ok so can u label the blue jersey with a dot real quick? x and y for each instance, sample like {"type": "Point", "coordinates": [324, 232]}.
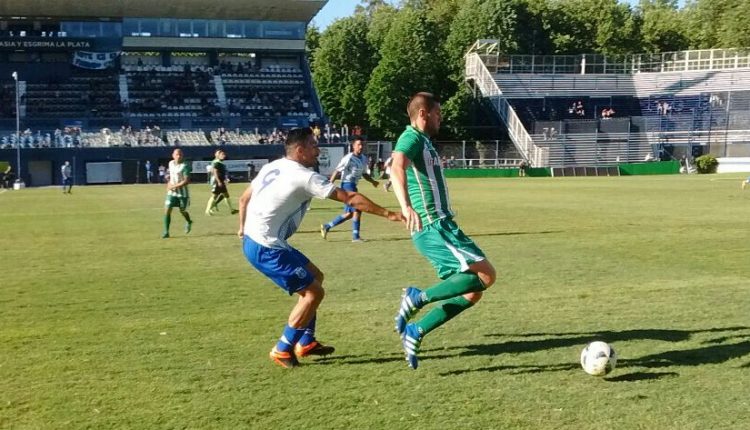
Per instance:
{"type": "Point", "coordinates": [352, 167]}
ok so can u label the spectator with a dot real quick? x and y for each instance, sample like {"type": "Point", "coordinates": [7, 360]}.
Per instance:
{"type": "Point", "coordinates": [162, 172]}
{"type": "Point", "coordinates": [149, 173]}
{"type": "Point", "coordinates": [7, 178]}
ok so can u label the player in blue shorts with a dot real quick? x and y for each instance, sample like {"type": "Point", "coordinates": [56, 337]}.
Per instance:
{"type": "Point", "coordinates": [271, 210]}
{"type": "Point", "coordinates": [351, 168]}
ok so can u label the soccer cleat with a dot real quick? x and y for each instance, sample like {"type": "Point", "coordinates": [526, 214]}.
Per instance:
{"type": "Point", "coordinates": [410, 340]}
{"type": "Point", "coordinates": [286, 360]}
{"type": "Point", "coordinates": [313, 348]}
{"type": "Point", "coordinates": [359, 240]}
{"type": "Point", "coordinates": [323, 231]}
{"type": "Point", "coordinates": [411, 301]}
{"type": "Point", "coordinates": [209, 212]}
{"type": "Point", "coordinates": [188, 227]}
{"type": "Point", "coordinates": [165, 235]}
{"type": "Point", "coordinates": [235, 211]}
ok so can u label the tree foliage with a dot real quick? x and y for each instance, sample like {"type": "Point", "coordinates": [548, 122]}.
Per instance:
{"type": "Point", "coordinates": [366, 66]}
{"type": "Point", "coordinates": [404, 68]}
{"type": "Point", "coordinates": [343, 64]}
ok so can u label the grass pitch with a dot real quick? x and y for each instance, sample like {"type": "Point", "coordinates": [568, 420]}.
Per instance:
{"type": "Point", "coordinates": [105, 325]}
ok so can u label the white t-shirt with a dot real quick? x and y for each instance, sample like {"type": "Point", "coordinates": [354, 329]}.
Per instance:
{"type": "Point", "coordinates": [281, 194]}
{"type": "Point", "coordinates": [352, 167]}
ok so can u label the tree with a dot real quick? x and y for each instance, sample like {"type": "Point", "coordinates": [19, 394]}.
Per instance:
{"type": "Point", "coordinates": [411, 60]}
{"type": "Point", "coordinates": [312, 43]}
{"type": "Point", "coordinates": [662, 26]}
{"type": "Point", "coordinates": [343, 65]}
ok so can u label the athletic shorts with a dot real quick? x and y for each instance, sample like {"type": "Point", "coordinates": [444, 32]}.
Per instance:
{"type": "Point", "coordinates": [349, 186]}
{"type": "Point", "coordinates": [177, 202]}
{"type": "Point", "coordinates": [447, 248]}
{"type": "Point", "coordinates": [285, 267]}
{"type": "Point", "coordinates": [216, 189]}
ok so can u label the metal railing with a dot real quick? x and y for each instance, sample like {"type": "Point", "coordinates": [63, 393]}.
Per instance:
{"type": "Point", "coordinates": [477, 72]}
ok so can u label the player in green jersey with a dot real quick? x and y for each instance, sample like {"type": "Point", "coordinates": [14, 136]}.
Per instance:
{"type": "Point", "coordinates": [420, 187]}
{"type": "Point", "coordinates": [219, 189]}
{"type": "Point", "coordinates": [178, 194]}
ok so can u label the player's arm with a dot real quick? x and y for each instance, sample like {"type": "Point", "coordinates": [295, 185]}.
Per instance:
{"type": "Point", "coordinates": [217, 181]}
{"type": "Point", "coordinates": [398, 181]}
{"type": "Point", "coordinates": [370, 179]}
{"type": "Point", "coordinates": [335, 175]}
{"type": "Point", "coordinates": [244, 199]}
{"type": "Point", "coordinates": [362, 203]}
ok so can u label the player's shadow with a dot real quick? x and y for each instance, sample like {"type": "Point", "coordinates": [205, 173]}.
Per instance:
{"type": "Point", "coordinates": [401, 238]}
{"type": "Point", "coordinates": [713, 354]}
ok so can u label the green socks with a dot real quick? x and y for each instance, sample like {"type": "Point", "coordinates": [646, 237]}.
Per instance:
{"type": "Point", "coordinates": [167, 221]}
{"type": "Point", "coordinates": [456, 285]}
{"type": "Point", "coordinates": [442, 313]}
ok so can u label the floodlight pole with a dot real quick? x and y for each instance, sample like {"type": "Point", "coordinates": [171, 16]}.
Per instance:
{"type": "Point", "coordinates": [18, 129]}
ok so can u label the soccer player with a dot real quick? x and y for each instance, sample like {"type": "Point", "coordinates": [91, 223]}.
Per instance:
{"type": "Point", "coordinates": [352, 167]}
{"type": "Point", "coordinates": [67, 177]}
{"type": "Point", "coordinates": [219, 189]}
{"type": "Point", "coordinates": [420, 188]}
{"type": "Point", "coordinates": [178, 194]}
{"type": "Point", "coordinates": [271, 210]}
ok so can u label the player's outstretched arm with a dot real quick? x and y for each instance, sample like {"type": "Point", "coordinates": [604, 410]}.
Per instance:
{"type": "Point", "coordinates": [370, 179]}
{"type": "Point", "coordinates": [398, 182]}
{"type": "Point", "coordinates": [362, 203]}
{"type": "Point", "coordinates": [244, 199]}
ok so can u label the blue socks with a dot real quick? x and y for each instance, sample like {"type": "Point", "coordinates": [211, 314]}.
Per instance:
{"type": "Point", "coordinates": [336, 221]}
{"type": "Point", "coordinates": [355, 229]}
{"type": "Point", "coordinates": [289, 338]}
{"type": "Point", "coordinates": [308, 335]}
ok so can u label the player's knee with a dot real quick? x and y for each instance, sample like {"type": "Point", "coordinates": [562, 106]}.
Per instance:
{"type": "Point", "coordinates": [486, 272]}
{"type": "Point", "coordinates": [473, 297]}
{"type": "Point", "coordinates": [314, 293]}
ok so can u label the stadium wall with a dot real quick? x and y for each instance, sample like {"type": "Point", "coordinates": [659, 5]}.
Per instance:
{"type": "Point", "coordinates": [41, 166]}
{"type": "Point", "coordinates": [652, 168]}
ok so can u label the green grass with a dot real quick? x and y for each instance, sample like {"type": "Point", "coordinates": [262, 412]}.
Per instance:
{"type": "Point", "coordinates": [105, 325]}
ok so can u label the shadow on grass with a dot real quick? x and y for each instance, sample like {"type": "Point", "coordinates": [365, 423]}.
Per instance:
{"type": "Point", "coordinates": [641, 376]}
{"type": "Point", "coordinates": [406, 237]}
{"type": "Point", "coordinates": [713, 354]}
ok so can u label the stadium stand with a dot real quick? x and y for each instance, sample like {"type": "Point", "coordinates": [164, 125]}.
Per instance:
{"type": "Point", "coordinates": [589, 110]}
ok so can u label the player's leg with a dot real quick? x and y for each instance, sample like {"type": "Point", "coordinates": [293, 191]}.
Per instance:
{"type": "Point", "coordinates": [325, 228]}
{"type": "Point", "coordinates": [308, 344]}
{"type": "Point", "coordinates": [356, 217]}
{"type": "Point", "coordinates": [465, 273]}
{"type": "Point", "coordinates": [210, 204]}
{"type": "Point", "coordinates": [70, 185]}
{"type": "Point", "coordinates": [184, 204]}
{"type": "Point", "coordinates": [229, 202]}
{"type": "Point", "coordinates": [167, 217]}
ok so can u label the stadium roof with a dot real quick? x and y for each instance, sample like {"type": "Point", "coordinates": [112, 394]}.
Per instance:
{"type": "Point", "coordinates": [257, 10]}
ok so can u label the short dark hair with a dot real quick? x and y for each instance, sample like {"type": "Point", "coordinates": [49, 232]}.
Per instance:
{"type": "Point", "coordinates": [358, 139]}
{"type": "Point", "coordinates": [421, 100]}
{"type": "Point", "coordinates": [297, 136]}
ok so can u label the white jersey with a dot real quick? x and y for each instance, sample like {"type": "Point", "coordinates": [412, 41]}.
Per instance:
{"type": "Point", "coordinates": [177, 173]}
{"type": "Point", "coordinates": [388, 163]}
{"type": "Point", "coordinates": [352, 167]}
{"type": "Point", "coordinates": [281, 194]}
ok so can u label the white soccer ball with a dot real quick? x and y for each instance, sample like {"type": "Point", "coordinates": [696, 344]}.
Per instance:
{"type": "Point", "coordinates": [598, 358]}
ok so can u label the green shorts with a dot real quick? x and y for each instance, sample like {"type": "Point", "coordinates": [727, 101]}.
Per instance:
{"type": "Point", "coordinates": [448, 249]}
{"type": "Point", "coordinates": [177, 202]}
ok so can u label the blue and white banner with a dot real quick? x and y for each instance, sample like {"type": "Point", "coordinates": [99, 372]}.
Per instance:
{"type": "Point", "coordinates": [94, 60]}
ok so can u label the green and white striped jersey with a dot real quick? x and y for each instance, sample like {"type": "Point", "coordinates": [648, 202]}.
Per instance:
{"type": "Point", "coordinates": [425, 182]}
{"type": "Point", "coordinates": [178, 173]}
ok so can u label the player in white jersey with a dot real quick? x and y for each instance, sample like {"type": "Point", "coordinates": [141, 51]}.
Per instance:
{"type": "Point", "coordinates": [178, 194]}
{"type": "Point", "coordinates": [387, 174]}
{"type": "Point", "coordinates": [271, 210]}
{"type": "Point", "coordinates": [351, 168]}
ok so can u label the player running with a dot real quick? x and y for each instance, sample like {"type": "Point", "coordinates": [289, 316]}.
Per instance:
{"type": "Point", "coordinates": [178, 194]}
{"type": "Point", "coordinates": [219, 189]}
{"type": "Point", "coordinates": [420, 187]}
{"type": "Point", "coordinates": [271, 210]}
{"type": "Point", "coordinates": [352, 167]}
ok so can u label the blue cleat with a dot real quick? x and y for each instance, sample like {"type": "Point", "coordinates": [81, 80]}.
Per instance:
{"type": "Point", "coordinates": [411, 301]}
{"type": "Point", "coordinates": [411, 339]}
